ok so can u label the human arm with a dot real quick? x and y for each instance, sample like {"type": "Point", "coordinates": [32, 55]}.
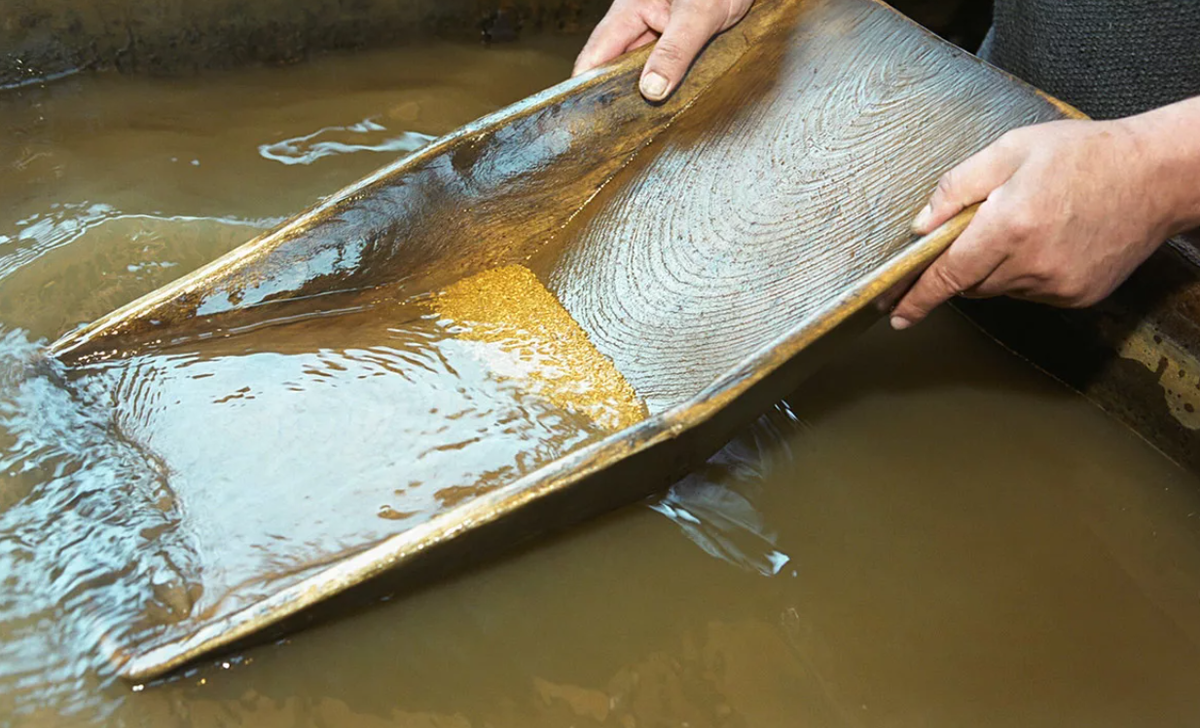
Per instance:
{"type": "Point", "coordinates": [1069, 209]}
{"type": "Point", "coordinates": [682, 27]}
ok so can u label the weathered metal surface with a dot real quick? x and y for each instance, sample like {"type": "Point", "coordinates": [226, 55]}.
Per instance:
{"type": "Point", "coordinates": [713, 247]}
{"type": "Point", "coordinates": [40, 38]}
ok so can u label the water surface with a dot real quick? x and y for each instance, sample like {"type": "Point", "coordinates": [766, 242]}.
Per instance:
{"type": "Point", "coordinates": [928, 533]}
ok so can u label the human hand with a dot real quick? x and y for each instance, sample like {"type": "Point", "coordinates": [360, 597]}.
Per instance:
{"type": "Point", "coordinates": [682, 27]}
{"type": "Point", "coordinates": [1069, 209]}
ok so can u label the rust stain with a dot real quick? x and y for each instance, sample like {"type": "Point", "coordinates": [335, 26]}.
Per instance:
{"type": "Point", "coordinates": [1178, 372]}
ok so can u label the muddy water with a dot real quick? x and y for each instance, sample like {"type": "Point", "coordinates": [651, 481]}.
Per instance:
{"type": "Point", "coordinates": [303, 441]}
{"type": "Point", "coordinates": [928, 533]}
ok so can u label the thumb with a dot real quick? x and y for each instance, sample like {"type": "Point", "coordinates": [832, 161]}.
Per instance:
{"type": "Point", "coordinates": [618, 32]}
{"type": "Point", "coordinates": [970, 182]}
{"type": "Point", "coordinates": [690, 26]}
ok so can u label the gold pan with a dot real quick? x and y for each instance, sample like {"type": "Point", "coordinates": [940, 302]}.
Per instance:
{"type": "Point", "coordinates": [712, 249]}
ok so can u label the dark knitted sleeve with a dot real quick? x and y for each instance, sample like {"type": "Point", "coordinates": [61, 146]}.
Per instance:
{"type": "Point", "coordinates": [1109, 58]}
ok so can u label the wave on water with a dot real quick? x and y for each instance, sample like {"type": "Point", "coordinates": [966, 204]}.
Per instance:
{"type": "Point", "coordinates": [87, 541]}
{"type": "Point", "coordinates": [367, 135]}
{"type": "Point", "coordinates": [64, 223]}
{"type": "Point", "coordinates": [715, 506]}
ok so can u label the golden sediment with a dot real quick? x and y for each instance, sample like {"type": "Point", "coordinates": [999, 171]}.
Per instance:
{"type": "Point", "coordinates": [509, 305]}
{"type": "Point", "coordinates": [391, 514]}
{"type": "Point", "coordinates": [455, 494]}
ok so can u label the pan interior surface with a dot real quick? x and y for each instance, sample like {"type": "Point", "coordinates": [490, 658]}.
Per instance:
{"type": "Point", "coordinates": [377, 415]}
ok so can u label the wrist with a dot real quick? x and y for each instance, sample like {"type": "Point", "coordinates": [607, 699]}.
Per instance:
{"type": "Point", "coordinates": [1168, 149]}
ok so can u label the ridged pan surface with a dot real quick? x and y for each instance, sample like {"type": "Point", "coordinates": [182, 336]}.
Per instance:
{"type": "Point", "coordinates": [702, 246]}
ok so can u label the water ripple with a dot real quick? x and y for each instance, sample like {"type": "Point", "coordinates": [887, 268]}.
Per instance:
{"type": "Point", "coordinates": [367, 135]}
{"type": "Point", "coordinates": [86, 538]}
{"type": "Point", "coordinates": [715, 506]}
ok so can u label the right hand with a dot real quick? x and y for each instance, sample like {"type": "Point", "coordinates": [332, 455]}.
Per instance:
{"type": "Point", "coordinates": [682, 27]}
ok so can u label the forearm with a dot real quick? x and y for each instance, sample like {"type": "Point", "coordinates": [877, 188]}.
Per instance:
{"type": "Point", "coordinates": [1169, 141]}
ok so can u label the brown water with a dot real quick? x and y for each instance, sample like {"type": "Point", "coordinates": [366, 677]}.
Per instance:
{"type": "Point", "coordinates": [929, 533]}
{"type": "Point", "coordinates": [301, 442]}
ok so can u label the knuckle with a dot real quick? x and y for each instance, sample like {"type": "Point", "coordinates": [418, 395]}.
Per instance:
{"type": "Point", "coordinates": [669, 51]}
{"type": "Point", "coordinates": [1011, 139]}
{"type": "Point", "coordinates": [1075, 292]}
{"type": "Point", "coordinates": [701, 10]}
{"type": "Point", "coordinates": [1021, 222]}
{"type": "Point", "coordinates": [947, 184]}
{"type": "Point", "coordinates": [1067, 292]}
{"type": "Point", "coordinates": [615, 18]}
{"type": "Point", "coordinates": [1042, 272]}
{"type": "Point", "coordinates": [1048, 270]}
{"type": "Point", "coordinates": [624, 24]}
{"type": "Point", "coordinates": [947, 280]}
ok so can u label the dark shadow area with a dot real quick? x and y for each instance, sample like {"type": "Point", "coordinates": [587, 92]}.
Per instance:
{"type": "Point", "coordinates": [1155, 313]}
{"type": "Point", "coordinates": [962, 22]}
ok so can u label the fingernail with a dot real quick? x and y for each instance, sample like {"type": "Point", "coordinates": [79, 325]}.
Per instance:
{"type": "Point", "coordinates": [899, 323]}
{"type": "Point", "coordinates": [922, 220]}
{"type": "Point", "coordinates": [654, 85]}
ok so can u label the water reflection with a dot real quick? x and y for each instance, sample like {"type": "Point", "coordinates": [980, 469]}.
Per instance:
{"type": "Point", "coordinates": [367, 135]}
{"type": "Point", "coordinates": [88, 544]}
{"type": "Point", "coordinates": [285, 446]}
{"type": "Point", "coordinates": [65, 223]}
{"type": "Point", "coordinates": [72, 262]}
{"type": "Point", "coordinates": [716, 505]}
{"type": "Point", "coordinates": [111, 187]}
{"type": "Point", "coordinates": [126, 510]}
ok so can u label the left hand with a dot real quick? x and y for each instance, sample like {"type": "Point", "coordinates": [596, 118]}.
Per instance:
{"type": "Point", "coordinates": [1070, 208]}
{"type": "Point", "coordinates": [681, 27]}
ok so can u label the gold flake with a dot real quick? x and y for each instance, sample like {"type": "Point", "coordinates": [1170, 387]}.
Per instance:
{"type": "Point", "coordinates": [509, 305]}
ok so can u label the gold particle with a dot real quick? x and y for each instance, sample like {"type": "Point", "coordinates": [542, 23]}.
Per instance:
{"type": "Point", "coordinates": [392, 514]}
{"type": "Point", "coordinates": [510, 306]}
{"type": "Point", "coordinates": [455, 494]}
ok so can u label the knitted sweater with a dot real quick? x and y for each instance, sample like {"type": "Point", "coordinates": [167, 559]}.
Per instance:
{"type": "Point", "coordinates": [1108, 58]}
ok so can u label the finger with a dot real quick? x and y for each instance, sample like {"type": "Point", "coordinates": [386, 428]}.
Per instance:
{"type": "Point", "coordinates": [970, 182]}
{"type": "Point", "coordinates": [887, 300]}
{"type": "Point", "coordinates": [648, 37]}
{"type": "Point", "coordinates": [1030, 287]}
{"type": "Point", "coordinates": [691, 25]}
{"type": "Point", "coordinates": [1006, 280]}
{"type": "Point", "coordinates": [966, 263]}
{"type": "Point", "coordinates": [615, 34]}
